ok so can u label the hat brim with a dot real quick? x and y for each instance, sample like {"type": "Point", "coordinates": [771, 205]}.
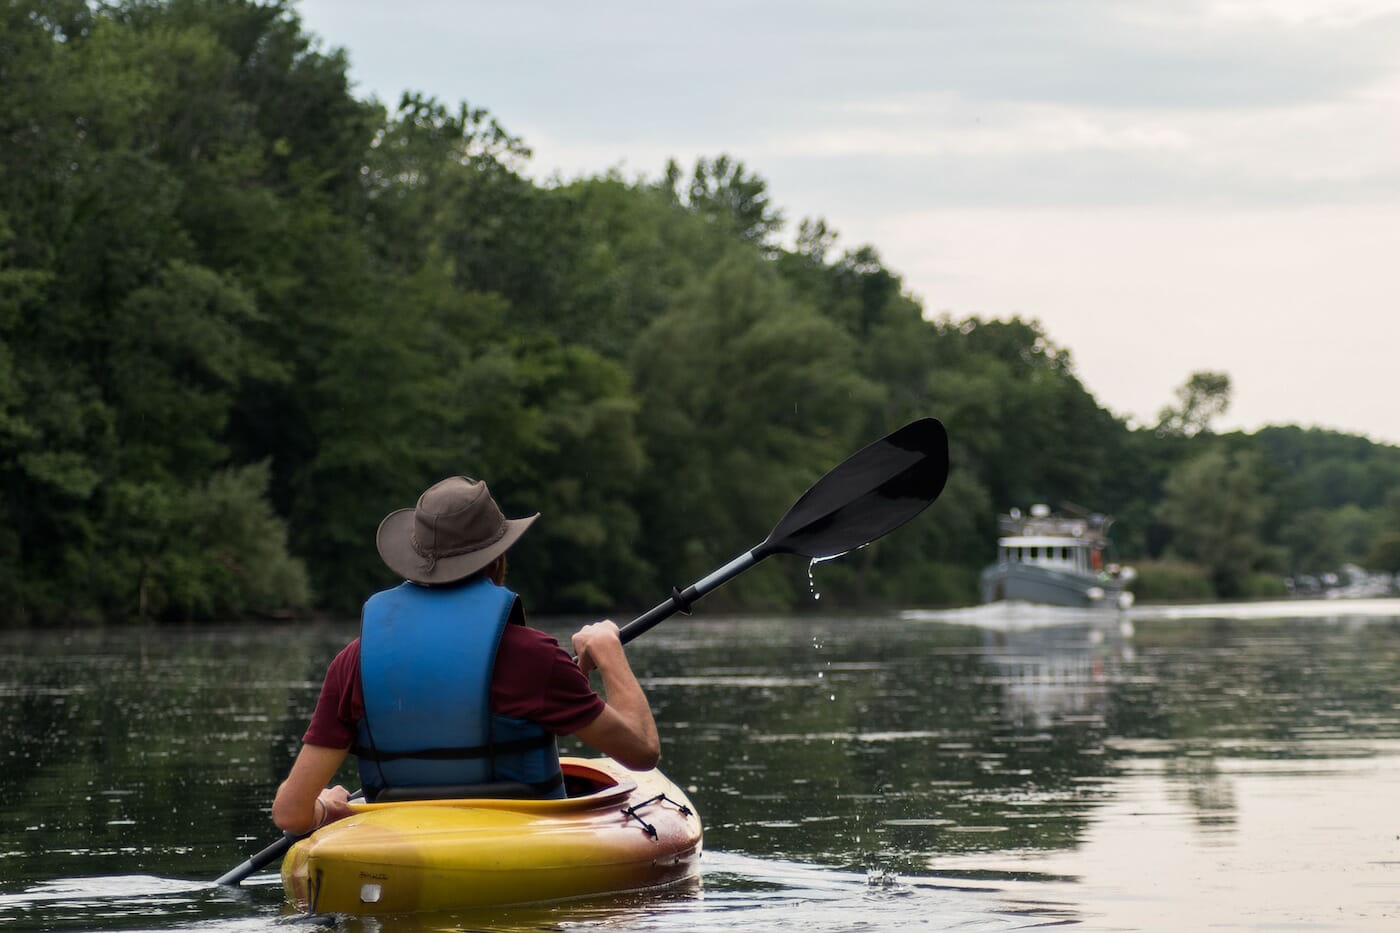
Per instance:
{"type": "Point", "coordinates": [395, 543]}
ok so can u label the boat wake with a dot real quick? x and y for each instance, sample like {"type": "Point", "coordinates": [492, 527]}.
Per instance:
{"type": "Point", "coordinates": [1333, 609]}
{"type": "Point", "coordinates": [1015, 615]}
{"type": "Point", "coordinates": [1011, 615]}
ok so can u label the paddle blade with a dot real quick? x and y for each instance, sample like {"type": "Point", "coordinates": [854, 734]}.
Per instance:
{"type": "Point", "coordinates": [867, 496]}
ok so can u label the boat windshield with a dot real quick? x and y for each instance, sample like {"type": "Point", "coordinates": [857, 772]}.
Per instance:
{"type": "Point", "coordinates": [1064, 555]}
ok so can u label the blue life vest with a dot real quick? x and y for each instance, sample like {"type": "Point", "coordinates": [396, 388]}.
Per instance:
{"type": "Point", "coordinates": [426, 658]}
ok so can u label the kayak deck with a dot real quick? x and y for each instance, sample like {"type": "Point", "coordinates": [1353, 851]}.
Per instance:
{"type": "Point", "coordinates": [622, 831]}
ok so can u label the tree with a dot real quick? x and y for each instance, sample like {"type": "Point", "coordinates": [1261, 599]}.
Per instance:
{"type": "Point", "coordinates": [1215, 508]}
{"type": "Point", "coordinates": [815, 240]}
{"type": "Point", "coordinates": [1199, 401]}
{"type": "Point", "coordinates": [725, 193]}
{"type": "Point", "coordinates": [1384, 553]}
{"type": "Point", "coordinates": [213, 550]}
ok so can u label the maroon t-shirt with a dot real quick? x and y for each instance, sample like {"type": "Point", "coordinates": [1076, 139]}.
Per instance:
{"type": "Point", "coordinates": [534, 679]}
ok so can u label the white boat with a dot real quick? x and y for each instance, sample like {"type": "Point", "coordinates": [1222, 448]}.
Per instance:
{"type": "Point", "coordinates": [1056, 560]}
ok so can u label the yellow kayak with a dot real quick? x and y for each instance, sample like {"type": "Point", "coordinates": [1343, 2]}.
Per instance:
{"type": "Point", "coordinates": [618, 831]}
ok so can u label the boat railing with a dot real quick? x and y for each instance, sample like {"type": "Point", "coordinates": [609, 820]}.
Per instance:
{"type": "Point", "coordinates": [1093, 530]}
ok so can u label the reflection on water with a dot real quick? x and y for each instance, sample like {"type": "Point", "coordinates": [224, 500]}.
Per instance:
{"type": "Point", "coordinates": [1163, 769]}
{"type": "Point", "coordinates": [1057, 672]}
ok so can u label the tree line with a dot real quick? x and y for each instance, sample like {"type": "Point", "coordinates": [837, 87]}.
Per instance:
{"type": "Point", "coordinates": [244, 314]}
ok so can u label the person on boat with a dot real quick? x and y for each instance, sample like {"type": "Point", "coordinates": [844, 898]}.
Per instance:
{"type": "Point", "coordinates": [447, 686]}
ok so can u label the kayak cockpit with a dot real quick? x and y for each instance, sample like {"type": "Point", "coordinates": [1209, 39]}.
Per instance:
{"type": "Point", "coordinates": [587, 787]}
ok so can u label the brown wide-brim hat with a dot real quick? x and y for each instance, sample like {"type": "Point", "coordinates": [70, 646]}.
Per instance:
{"type": "Point", "coordinates": [455, 530]}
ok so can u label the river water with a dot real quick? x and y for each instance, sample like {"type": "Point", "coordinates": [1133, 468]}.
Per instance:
{"type": "Point", "coordinates": [1225, 768]}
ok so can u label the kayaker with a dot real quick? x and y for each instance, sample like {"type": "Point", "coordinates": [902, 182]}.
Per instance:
{"type": "Point", "coordinates": [447, 685]}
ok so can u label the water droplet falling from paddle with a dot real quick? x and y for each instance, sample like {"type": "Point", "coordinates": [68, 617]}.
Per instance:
{"type": "Point", "coordinates": [812, 564]}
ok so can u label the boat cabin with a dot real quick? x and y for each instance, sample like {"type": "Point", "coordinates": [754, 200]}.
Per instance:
{"type": "Point", "coordinates": [1075, 544]}
{"type": "Point", "coordinates": [1066, 554]}
{"type": "Point", "coordinates": [1057, 554]}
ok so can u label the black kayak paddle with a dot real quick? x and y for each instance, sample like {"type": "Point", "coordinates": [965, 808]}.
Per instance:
{"type": "Point", "coordinates": [865, 497]}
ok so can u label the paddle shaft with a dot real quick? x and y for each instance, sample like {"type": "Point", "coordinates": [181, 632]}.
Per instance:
{"type": "Point", "coordinates": [265, 857]}
{"type": "Point", "coordinates": [258, 860]}
{"type": "Point", "coordinates": [681, 599]}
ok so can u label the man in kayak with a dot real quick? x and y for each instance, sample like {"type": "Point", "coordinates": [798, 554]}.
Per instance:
{"type": "Point", "coordinates": [447, 686]}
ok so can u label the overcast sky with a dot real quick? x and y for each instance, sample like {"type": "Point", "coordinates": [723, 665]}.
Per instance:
{"type": "Point", "coordinates": [1166, 185]}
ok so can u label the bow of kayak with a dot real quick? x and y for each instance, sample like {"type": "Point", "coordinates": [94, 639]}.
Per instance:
{"type": "Point", "coordinates": [618, 831]}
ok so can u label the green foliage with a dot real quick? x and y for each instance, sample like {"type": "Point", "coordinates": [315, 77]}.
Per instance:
{"type": "Point", "coordinates": [1199, 401]}
{"type": "Point", "coordinates": [726, 194]}
{"type": "Point", "coordinates": [215, 550]}
{"type": "Point", "coordinates": [1264, 586]}
{"type": "Point", "coordinates": [1383, 554]}
{"type": "Point", "coordinates": [557, 424]}
{"type": "Point", "coordinates": [1216, 509]}
{"type": "Point", "coordinates": [1324, 469]}
{"type": "Point", "coordinates": [135, 180]}
{"type": "Point", "coordinates": [1171, 581]}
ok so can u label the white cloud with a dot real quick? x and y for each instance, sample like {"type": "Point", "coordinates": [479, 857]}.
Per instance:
{"type": "Point", "coordinates": [1355, 137]}
{"type": "Point", "coordinates": [942, 124]}
{"type": "Point", "coordinates": [1335, 14]}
